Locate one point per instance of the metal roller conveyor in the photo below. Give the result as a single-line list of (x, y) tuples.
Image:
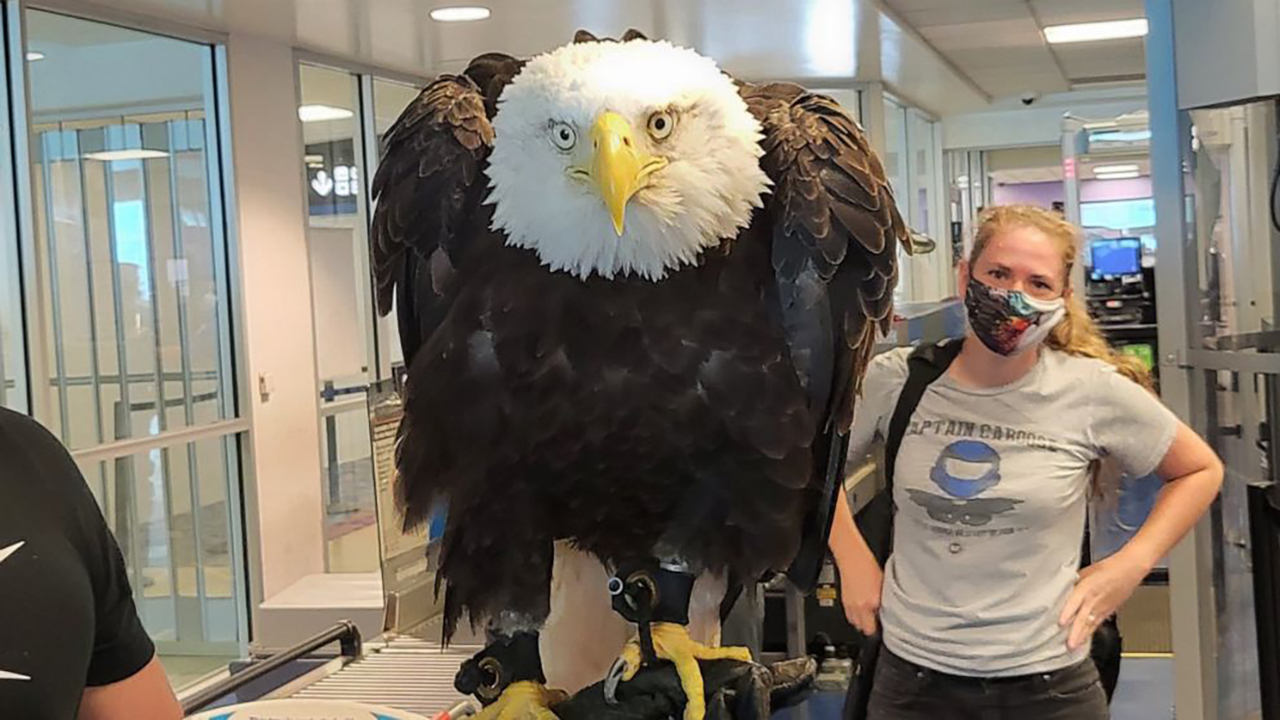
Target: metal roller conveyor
[(406, 673), (401, 676)]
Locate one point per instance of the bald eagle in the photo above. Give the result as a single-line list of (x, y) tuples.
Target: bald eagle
[(636, 299)]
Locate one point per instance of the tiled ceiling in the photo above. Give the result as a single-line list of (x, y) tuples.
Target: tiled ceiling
[(1000, 45)]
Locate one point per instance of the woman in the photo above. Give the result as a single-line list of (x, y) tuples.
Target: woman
[(984, 611)]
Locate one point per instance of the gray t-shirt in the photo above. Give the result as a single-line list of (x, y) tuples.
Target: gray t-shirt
[(991, 489)]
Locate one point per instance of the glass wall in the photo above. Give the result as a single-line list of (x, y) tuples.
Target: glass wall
[(912, 162), (924, 168), (337, 237), (897, 167), (13, 349), (967, 182), (130, 315), (338, 110)]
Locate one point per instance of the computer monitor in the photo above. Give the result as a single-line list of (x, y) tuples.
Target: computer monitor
[(1116, 257)]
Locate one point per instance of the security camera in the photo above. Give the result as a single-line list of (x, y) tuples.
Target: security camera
[(1029, 98)]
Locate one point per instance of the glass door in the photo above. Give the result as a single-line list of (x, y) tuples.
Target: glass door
[(13, 342), (337, 236), (130, 302)]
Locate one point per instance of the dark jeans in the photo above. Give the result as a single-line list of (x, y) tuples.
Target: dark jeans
[(905, 691)]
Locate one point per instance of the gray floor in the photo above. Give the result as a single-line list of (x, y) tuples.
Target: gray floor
[(1145, 691)]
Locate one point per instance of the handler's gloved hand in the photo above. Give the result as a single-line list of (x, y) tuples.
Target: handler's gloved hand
[(735, 691)]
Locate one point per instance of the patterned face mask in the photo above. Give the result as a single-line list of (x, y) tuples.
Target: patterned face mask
[(1010, 322)]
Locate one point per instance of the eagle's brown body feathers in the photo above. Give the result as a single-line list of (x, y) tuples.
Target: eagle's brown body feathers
[(692, 417)]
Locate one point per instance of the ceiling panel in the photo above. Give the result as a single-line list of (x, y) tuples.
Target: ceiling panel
[(989, 40), (1014, 83), (994, 35), (1023, 58), (1084, 66), (961, 14), (1058, 12), (1116, 58), (921, 5)]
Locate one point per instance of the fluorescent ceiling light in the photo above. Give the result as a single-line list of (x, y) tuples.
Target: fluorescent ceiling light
[(1120, 135), (1117, 176), (1089, 32), (1111, 169), (461, 13), (34, 55), (317, 113), (137, 154)]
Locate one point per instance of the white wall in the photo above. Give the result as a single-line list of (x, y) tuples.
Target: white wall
[(1009, 123), (285, 517)]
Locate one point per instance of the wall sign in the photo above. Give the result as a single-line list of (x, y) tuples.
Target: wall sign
[(333, 178)]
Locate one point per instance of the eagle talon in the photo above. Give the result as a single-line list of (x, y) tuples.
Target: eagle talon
[(671, 642), (617, 672), (525, 700)]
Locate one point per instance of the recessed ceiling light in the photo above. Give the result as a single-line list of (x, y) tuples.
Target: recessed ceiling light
[(460, 13), (318, 113), (34, 55), (1088, 32), (1112, 169), (139, 154), (1117, 176)]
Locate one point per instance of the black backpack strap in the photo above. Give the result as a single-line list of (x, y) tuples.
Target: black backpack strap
[(925, 364)]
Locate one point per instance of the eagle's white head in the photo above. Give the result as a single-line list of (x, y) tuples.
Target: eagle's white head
[(623, 157)]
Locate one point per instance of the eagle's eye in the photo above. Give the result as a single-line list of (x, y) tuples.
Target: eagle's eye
[(661, 124), (563, 135)]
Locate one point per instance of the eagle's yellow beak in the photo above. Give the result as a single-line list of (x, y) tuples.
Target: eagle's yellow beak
[(618, 168)]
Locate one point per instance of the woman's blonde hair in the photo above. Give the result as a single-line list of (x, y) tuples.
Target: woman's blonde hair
[(1077, 334)]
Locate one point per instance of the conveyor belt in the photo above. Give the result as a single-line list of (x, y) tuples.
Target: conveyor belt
[(406, 673)]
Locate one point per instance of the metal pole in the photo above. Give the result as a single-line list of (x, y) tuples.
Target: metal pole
[(95, 369), (126, 511), (345, 633), (55, 299), (1192, 605), (367, 159), (124, 427), (331, 449), (223, 241), (184, 343), (161, 406), (1071, 129)]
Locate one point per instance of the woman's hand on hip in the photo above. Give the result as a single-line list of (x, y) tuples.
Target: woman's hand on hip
[(1100, 591), (861, 583)]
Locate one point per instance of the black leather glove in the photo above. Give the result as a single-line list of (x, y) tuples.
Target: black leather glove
[(734, 691)]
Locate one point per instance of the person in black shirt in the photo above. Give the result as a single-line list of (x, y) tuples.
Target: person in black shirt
[(71, 644)]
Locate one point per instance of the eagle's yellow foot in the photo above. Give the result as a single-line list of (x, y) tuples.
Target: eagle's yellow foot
[(523, 701), (672, 642)]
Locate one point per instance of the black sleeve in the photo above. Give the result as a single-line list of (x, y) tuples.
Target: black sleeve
[(121, 646)]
